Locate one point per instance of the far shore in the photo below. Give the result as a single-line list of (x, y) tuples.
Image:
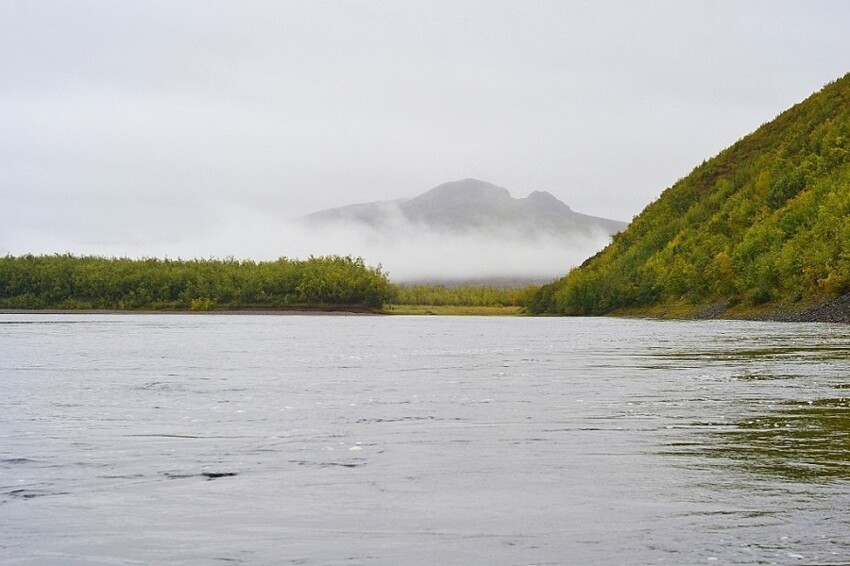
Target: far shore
[(390, 310), (263, 312), (835, 310)]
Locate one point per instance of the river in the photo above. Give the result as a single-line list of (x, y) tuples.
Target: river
[(252, 439)]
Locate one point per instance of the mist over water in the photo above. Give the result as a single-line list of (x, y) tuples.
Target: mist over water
[(410, 253), (407, 251)]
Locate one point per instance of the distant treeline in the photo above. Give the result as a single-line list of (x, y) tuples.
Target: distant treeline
[(70, 282), (466, 296)]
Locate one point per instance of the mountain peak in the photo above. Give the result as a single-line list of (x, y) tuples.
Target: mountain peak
[(543, 199), (465, 190), (475, 206)]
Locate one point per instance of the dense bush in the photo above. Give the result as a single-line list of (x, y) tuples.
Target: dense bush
[(66, 281)]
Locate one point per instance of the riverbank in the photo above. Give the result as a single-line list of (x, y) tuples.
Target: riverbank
[(453, 310), (300, 311), (835, 310), (410, 310)]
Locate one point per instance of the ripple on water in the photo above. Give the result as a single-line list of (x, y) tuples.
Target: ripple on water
[(394, 440)]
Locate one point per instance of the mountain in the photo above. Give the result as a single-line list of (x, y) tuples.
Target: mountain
[(763, 227), (472, 206)]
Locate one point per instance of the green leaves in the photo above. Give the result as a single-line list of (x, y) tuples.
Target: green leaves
[(66, 281), (768, 219)]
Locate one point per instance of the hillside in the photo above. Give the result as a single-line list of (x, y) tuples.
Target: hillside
[(762, 227), (472, 206)]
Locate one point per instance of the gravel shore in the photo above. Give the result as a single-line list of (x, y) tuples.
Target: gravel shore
[(835, 310)]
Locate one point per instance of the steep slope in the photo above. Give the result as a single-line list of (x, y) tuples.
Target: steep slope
[(473, 206), (764, 225)]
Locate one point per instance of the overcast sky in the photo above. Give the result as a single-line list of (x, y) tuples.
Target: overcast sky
[(182, 127)]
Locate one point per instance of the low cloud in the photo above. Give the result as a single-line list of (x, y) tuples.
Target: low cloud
[(411, 253), (408, 252)]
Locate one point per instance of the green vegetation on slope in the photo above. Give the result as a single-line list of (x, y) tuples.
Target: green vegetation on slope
[(765, 221), (69, 282)]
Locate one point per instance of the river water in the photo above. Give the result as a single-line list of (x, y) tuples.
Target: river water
[(239, 439)]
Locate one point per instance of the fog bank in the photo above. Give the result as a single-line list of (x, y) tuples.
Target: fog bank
[(415, 254), (406, 251)]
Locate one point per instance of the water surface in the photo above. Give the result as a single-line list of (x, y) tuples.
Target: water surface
[(184, 439)]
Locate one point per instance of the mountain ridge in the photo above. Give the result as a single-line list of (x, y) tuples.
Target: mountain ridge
[(470, 205)]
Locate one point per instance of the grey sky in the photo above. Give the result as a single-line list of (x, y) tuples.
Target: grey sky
[(175, 127)]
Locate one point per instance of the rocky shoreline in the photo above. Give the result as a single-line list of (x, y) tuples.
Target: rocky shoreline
[(831, 311), (834, 310)]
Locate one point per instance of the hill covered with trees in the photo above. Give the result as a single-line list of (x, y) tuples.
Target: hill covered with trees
[(762, 227)]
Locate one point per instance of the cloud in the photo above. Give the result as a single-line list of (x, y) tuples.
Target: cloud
[(412, 254), (155, 124)]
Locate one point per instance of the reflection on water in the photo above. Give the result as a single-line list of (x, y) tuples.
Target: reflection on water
[(772, 436), (801, 440), (790, 433)]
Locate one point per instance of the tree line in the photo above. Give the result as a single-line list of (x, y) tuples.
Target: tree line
[(466, 296), (69, 282)]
